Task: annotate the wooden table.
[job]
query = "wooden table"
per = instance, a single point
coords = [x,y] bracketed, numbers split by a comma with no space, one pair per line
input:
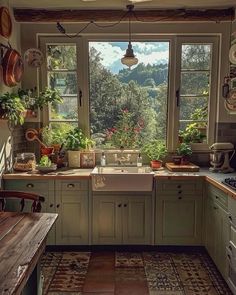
[22,242]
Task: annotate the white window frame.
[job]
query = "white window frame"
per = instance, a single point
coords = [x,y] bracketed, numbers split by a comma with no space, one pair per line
[175,42]
[213,91]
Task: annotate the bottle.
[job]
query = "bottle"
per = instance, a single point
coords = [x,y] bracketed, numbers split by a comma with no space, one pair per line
[103,159]
[139,160]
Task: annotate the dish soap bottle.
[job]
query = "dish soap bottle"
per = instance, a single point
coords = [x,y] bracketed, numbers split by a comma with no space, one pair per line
[139,160]
[103,159]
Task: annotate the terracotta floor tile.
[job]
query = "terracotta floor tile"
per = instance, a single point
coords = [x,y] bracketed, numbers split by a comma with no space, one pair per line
[99,285]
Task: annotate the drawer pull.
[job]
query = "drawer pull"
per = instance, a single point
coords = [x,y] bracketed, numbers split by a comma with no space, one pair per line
[215,207]
[119,205]
[230,217]
[179,192]
[230,247]
[58,205]
[229,256]
[29,185]
[70,185]
[217,197]
[51,205]
[179,186]
[179,198]
[125,205]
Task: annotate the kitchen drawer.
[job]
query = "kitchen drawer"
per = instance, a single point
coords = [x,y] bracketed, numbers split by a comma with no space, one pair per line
[72,185]
[218,196]
[29,185]
[178,187]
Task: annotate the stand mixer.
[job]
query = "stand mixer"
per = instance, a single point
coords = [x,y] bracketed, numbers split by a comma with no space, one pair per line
[221,155]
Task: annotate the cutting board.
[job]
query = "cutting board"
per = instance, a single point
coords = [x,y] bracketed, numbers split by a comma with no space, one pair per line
[182,168]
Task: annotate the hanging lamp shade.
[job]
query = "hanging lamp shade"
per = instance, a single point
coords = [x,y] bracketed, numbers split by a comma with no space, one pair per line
[129,58]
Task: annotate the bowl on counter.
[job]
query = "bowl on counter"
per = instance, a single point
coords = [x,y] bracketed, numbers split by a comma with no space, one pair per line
[45,169]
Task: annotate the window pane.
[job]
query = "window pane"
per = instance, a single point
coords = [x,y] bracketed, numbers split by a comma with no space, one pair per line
[196,57]
[189,105]
[66,83]
[194,92]
[128,107]
[194,83]
[68,110]
[61,57]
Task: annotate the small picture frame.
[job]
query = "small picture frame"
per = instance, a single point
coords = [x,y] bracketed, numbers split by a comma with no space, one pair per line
[87,159]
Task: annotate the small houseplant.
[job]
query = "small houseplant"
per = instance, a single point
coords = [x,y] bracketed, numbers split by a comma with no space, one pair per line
[75,141]
[47,96]
[47,139]
[12,108]
[156,151]
[185,151]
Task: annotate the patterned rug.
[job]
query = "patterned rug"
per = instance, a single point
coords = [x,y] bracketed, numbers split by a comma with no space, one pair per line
[64,272]
[128,259]
[143,273]
[183,274]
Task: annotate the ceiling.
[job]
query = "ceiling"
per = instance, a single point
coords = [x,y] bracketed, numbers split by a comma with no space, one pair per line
[121,4]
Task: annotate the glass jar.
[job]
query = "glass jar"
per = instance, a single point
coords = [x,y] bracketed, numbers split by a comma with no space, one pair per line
[25,162]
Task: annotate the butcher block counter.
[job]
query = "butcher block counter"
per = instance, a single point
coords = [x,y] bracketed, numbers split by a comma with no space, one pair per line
[22,242]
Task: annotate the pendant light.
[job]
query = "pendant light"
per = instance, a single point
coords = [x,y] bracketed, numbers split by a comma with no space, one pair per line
[129,58]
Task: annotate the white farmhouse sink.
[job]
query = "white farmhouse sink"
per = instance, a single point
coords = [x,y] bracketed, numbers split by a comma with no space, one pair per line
[122,179]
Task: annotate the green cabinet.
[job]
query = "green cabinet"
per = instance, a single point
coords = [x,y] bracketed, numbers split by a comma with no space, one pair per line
[71,204]
[178,212]
[122,219]
[41,187]
[217,227]
[69,199]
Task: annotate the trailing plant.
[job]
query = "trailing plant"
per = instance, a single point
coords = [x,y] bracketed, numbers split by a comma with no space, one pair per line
[12,107]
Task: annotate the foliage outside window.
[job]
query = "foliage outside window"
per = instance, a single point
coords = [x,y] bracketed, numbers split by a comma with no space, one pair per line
[194,92]
[128,107]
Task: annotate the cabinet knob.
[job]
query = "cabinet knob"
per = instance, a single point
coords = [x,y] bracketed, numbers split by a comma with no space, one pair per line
[119,205]
[179,192]
[125,205]
[230,217]
[51,205]
[179,198]
[215,207]
[58,205]
[179,186]
[216,197]
[230,247]
[229,256]
[30,185]
[70,185]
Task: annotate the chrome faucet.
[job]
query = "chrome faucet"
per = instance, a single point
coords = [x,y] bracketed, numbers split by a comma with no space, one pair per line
[121,158]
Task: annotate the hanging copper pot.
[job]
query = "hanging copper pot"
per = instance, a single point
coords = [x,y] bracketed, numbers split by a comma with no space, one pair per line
[13,67]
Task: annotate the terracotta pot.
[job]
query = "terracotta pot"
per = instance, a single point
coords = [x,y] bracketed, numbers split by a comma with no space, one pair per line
[46,150]
[155,164]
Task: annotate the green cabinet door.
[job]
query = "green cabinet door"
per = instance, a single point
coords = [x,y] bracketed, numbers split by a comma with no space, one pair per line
[211,228]
[107,220]
[137,220]
[178,220]
[72,223]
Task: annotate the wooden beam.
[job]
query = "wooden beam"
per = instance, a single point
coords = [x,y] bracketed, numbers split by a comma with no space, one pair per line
[45,16]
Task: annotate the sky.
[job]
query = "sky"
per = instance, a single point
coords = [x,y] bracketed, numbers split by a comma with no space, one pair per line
[146,52]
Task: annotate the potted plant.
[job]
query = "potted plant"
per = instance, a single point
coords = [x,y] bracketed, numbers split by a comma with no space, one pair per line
[185,151]
[156,151]
[75,141]
[12,108]
[47,96]
[47,139]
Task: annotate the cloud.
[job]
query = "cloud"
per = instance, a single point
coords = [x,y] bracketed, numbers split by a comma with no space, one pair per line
[146,52]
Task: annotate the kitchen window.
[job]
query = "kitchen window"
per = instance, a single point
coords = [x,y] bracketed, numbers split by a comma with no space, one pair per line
[161,99]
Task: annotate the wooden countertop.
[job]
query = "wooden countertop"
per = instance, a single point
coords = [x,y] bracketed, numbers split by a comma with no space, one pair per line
[22,242]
